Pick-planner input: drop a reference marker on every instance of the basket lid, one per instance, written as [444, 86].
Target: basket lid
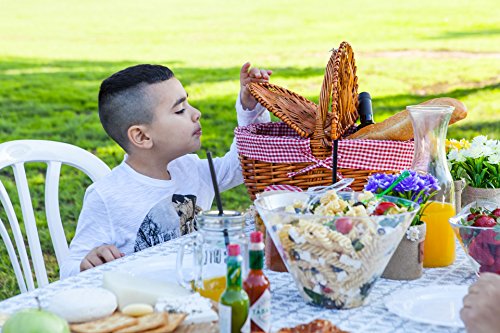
[337, 109]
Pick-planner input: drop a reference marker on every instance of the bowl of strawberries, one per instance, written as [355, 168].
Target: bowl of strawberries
[477, 227]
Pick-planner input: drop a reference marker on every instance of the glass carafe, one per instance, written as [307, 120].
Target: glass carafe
[430, 124]
[209, 252]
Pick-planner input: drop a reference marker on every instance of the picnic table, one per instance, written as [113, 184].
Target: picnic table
[288, 307]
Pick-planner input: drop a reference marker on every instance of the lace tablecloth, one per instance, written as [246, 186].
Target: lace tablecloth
[288, 308]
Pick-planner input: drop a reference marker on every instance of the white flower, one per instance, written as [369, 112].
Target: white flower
[474, 151]
[494, 158]
[413, 234]
[479, 140]
[487, 151]
[453, 155]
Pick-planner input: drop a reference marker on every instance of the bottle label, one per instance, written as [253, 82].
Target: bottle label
[260, 311]
[224, 318]
[246, 326]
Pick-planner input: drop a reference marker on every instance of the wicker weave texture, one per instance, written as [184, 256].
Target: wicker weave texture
[335, 113]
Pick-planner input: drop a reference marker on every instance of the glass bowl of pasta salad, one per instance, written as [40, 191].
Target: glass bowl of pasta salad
[336, 249]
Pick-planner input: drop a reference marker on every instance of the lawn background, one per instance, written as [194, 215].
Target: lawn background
[54, 54]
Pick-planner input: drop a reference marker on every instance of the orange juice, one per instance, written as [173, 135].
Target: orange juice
[213, 287]
[439, 244]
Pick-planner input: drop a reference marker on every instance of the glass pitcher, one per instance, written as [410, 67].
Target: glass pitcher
[430, 124]
[209, 252]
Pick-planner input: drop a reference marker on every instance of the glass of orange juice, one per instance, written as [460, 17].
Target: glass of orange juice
[208, 246]
[439, 244]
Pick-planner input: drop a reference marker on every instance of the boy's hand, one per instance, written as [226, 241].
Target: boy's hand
[100, 255]
[480, 311]
[248, 75]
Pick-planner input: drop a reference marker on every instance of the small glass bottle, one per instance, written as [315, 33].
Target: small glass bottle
[430, 123]
[233, 304]
[257, 286]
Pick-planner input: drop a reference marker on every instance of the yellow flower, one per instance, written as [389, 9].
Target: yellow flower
[457, 145]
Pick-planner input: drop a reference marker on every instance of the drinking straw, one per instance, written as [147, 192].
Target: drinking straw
[217, 194]
[214, 183]
[334, 161]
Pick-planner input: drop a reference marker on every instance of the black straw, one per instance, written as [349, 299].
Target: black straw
[214, 183]
[334, 162]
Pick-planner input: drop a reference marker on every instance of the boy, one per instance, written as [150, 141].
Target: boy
[155, 193]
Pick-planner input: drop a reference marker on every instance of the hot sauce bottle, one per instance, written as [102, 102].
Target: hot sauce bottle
[233, 304]
[257, 286]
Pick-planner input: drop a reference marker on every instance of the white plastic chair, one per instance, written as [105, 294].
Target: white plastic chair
[16, 154]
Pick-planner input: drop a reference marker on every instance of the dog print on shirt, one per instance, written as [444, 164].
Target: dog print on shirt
[167, 220]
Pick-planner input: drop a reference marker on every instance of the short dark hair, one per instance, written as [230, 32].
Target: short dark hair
[123, 101]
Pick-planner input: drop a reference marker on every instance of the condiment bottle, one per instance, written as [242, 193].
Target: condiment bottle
[233, 304]
[257, 286]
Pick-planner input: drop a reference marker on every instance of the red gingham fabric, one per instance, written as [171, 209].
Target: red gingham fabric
[277, 143]
[290, 188]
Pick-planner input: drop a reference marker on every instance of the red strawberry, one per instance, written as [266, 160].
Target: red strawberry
[343, 225]
[383, 207]
[471, 216]
[485, 221]
[496, 212]
[483, 256]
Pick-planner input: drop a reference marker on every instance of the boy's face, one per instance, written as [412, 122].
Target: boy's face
[175, 129]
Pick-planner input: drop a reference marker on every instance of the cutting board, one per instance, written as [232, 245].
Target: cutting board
[212, 327]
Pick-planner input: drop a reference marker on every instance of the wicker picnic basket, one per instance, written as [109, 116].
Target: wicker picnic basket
[306, 149]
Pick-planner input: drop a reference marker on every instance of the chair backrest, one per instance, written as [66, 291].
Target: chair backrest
[54, 154]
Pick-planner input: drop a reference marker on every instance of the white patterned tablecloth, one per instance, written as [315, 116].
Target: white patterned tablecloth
[288, 308]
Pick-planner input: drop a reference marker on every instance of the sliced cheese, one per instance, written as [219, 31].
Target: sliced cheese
[131, 289]
[137, 309]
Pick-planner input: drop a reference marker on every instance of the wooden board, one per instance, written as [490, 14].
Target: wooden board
[204, 327]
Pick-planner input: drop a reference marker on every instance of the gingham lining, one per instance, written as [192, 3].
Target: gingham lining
[277, 143]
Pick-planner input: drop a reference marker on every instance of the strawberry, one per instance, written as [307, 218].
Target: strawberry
[343, 225]
[483, 256]
[471, 216]
[485, 221]
[496, 212]
[488, 237]
[383, 207]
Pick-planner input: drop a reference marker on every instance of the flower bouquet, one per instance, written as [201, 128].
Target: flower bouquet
[406, 263]
[478, 163]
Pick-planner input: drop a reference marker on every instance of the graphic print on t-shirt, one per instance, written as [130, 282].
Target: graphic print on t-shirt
[167, 220]
[186, 208]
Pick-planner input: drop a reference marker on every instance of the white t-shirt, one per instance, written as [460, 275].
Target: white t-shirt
[133, 211]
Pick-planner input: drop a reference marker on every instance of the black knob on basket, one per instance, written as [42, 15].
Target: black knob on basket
[365, 109]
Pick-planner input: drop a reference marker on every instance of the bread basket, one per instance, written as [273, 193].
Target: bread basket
[306, 148]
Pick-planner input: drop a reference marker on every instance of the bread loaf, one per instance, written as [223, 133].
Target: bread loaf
[399, 127]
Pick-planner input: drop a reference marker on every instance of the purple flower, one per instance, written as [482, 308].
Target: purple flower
[416, 187]
[410, 183]
[379, 182]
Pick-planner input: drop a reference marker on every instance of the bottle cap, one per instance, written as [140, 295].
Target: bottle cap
[233, 250]
[364, 94]
[256, 237]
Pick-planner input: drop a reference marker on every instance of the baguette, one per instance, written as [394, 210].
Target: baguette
[399, 127]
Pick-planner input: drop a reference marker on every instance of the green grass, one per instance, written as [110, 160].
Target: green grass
[53, 56]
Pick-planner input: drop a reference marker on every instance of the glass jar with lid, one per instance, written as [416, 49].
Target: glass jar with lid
[209, 252]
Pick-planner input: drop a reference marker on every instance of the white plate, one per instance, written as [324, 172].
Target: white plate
[436, 305]
[159, 268]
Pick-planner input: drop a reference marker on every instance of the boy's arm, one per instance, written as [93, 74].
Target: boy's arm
[92, 232]
[228, 168]
[247, 107]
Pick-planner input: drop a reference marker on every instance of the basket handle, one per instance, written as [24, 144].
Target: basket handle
[324, 102]
[338, 95]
